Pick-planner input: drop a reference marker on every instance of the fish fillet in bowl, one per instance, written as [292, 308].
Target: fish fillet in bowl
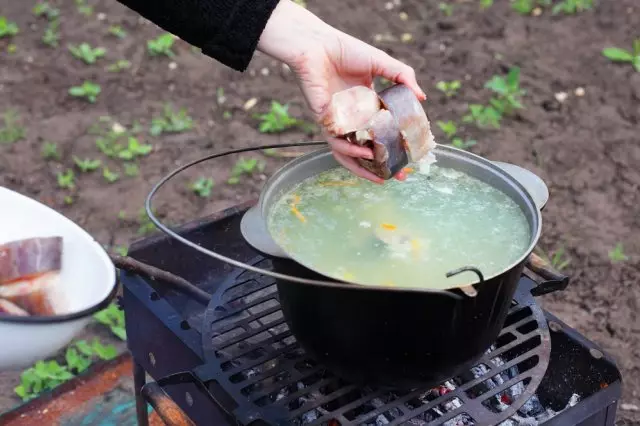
[53, 277]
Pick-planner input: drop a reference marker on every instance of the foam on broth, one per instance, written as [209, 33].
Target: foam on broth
[401, 234]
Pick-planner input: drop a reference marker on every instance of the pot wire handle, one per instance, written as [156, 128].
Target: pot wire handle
[468, 290]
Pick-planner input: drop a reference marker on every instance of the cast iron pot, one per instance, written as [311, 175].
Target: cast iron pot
[397, 337]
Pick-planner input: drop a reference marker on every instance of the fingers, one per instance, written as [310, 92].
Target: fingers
[348, 149]
[401, 175]
[398, 72]
[350, 164]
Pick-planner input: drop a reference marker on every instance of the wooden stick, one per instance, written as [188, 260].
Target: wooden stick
[180, 284]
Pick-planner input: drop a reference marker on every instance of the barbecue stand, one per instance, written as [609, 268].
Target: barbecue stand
[235, 361]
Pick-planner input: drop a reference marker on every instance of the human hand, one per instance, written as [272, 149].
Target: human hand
[325, 61]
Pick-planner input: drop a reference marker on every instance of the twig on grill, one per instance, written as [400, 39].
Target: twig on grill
[180, 284]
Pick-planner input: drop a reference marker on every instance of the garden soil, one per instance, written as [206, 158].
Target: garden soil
[586, 148]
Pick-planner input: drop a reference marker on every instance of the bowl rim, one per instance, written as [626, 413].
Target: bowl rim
[71, 316]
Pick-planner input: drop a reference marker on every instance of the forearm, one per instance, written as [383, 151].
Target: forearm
[226, 30]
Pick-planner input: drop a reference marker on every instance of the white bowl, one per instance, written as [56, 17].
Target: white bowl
[87, 281]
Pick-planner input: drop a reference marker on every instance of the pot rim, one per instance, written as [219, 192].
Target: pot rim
[273, 179]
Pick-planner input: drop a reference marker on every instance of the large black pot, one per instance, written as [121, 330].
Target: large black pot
[396, 337]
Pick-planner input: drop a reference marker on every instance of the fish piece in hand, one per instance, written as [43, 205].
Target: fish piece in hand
[412, 119]
[393, 124]
[35, 295]
[9, 308]
[29, 257]
[382, 134]
[350, 110]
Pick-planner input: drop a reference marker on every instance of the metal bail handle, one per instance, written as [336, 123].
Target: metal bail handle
[173, 234]
[470, 289]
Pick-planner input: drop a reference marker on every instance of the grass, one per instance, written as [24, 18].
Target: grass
[11, 131]
[616, 54]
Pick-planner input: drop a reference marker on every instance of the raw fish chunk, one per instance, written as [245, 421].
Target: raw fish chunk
[29, 257]
[34, 295]
[10, 308]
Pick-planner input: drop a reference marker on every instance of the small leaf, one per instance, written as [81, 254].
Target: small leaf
[76, 91]
[616, 54]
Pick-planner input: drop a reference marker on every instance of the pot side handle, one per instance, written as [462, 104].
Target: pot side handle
[534, 185]
[255, 232]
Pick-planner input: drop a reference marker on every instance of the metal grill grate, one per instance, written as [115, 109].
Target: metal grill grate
[254, 357]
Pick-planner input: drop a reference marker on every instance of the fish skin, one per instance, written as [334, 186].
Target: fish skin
[29, 257]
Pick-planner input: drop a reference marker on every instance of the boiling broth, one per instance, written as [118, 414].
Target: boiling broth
[403, 233]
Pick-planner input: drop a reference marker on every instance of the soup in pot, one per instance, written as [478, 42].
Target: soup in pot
[403, 233]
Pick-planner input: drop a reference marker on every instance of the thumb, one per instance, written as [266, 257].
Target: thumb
[396, 71]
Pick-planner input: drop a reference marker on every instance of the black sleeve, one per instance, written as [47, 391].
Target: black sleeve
[226, 30]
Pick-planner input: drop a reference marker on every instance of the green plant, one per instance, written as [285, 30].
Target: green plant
[45, 9]
[446, 8]
[66, 180]
[523, 7]
[131, 169]
[570, 7]
[117, 31]
[109, 176]
[7, 28]
[146, 225]
[485, 4]
[87, 90]
[84, 8]
[483, 116]
[68, 200]
[134, 149]
[449, 88]
[51, 36]
[46, 375]
[122, 251]
[43, 376]
[161, 45]
[449, 128]
[278, 120]
[87, 53]
[244, 166]
[621, 55]
[617, 254]
[119, 65]
[86, 165]
[559, 259]
[50, 151]
[11, 131]
[508, 91]
[461, 143]
[12, 48]
[171, 121]
[113, 317]
[202, 187]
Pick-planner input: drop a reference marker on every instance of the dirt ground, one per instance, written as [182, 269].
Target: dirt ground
[586, 148]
